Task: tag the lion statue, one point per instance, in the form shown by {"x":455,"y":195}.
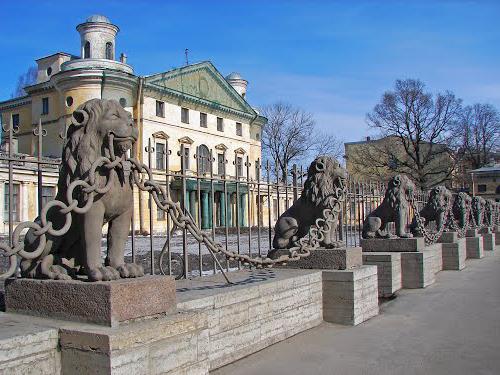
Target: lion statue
{"x":436,"y":208}
{"x":94,"y":124}
{"x":489,"y":212}
{"x":478,"y":207}
{"x":393,"y":208}
{"x":461,"y":208}
{"x":324,"y":176}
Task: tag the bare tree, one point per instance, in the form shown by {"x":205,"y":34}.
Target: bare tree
{"x":419,"y":126}
{"x":24,"y":80}
{"x":479,"y":134}
{"x":290,"y":136}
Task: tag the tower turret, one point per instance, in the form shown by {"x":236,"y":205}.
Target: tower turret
{"x":97,"y":36}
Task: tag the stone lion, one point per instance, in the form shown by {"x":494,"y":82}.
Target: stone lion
{"x":489,"y":212}
{"x":462,"y":208}
{"x":438,"y":203}
{"x":79,"y":250}
{"x":324,"y":176}
{"x":394,"y":208}
{"x":478,"y":207}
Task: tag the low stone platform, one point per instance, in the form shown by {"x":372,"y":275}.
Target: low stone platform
{"x":453,"y":250}
{"x":418,"y":269}
{"x":326,"y":259}
{"x":107,"y":302}
{"x":350,"y":297}
{"x":260,"y":308}
{"x":489,"y":241}
{"x":388,"y":271}
{"x":383,"y":245}
{"x":474,"y":244}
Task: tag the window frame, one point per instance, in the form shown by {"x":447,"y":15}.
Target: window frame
{"x":45,"y":105}
{"x":204,"y":122}
{"x":239,"y":129}
{"x":221,"y":164}
{"x":220,"y":124}
{"x":160,"y":109}
{"x":46,"y":198}
{"x":481,"y":188}
{"x":185,"y":115}
{"x":16,"y":203}
{"x":239,"y":166}
{"x":162,"y":165}
{"x":17,"y":121}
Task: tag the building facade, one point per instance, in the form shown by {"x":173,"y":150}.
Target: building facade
{"x":192,"y":121}
{"x":486,"y":181}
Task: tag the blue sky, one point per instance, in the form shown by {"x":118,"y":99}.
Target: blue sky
{"x":334,"y":59}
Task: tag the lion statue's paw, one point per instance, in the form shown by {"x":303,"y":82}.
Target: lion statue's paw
{"x":103,"y":274}
{"x":130,"y":270}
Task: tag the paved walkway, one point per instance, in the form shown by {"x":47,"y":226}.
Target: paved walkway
{"x":451,"y":327}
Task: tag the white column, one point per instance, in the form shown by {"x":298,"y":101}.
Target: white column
{"x":2,"y":203}
{"x":24,"y":197}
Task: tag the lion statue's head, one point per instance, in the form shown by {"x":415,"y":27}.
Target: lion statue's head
{"x":94,"y":124}
{"x":399,"y":190}
{"x":324,"y":176}
{"x":439,"y":199}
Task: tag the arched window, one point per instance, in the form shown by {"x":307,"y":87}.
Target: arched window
{"x":86,"y":50}
{"x":204,"y":162}
{"x":109,"y":51}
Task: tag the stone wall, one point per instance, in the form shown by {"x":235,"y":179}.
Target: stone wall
{"x":250,"y":318}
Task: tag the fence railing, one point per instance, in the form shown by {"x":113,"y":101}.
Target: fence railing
{"x":239,"y":210}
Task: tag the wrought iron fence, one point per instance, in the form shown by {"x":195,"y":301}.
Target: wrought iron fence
{"x":238,"y":210}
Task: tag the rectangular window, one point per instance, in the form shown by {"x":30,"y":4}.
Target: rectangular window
{"x":481,"y":188}
{"x":45,"y":106}
{"x":221,"y":165}
{"x":220,"y":124}
{"x":185,"y":115}
{"x":15,"y":202}
{"x":239,"y":166}
{"x":48,"y":193}
{"x":160,"y":108}
{"x":15,"y":120}
{"x":239,"y":130}
{"x":160,"y":156}
{"x":160,"y":214}
{"x":203,"y":120}
{"x":257,"y":136}
{"x":185,"y":160}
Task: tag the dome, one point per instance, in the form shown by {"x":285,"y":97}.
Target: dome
{"x":234,"y":75}
{"x":98,"y":18}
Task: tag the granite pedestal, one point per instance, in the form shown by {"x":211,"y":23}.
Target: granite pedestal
{"x":388,"y":271}
{"x":419,"y":263}
{"x":107,"y":302}
{"x":350,"y":297}
{"x":326,"y":259}
{"x":419,"y":268}
{"x":474,"y":244}
{"x":453,"y":250}
{"x":489,"y":240}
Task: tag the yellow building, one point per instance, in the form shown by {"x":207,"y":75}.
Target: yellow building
{"x":486,"y":182}
{"x":186,"y":110}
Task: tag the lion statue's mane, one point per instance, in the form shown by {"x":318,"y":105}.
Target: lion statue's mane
{"x":439,"y":202}
{"x":478,"y":208}
{"x":393,"y":208}
{"x":324,"y":177}
{"x":462,"y":208}
{"x":97,"y":126}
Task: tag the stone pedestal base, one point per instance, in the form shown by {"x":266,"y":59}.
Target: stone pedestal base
{"x":350,"y":297}
{"x":326,"y":259}
{"x":177,"y":344}
{"x":454,"y":251}
{"x":388,"y":271}
{"x":108,"y":303}
{"x":382,"y":245}
{"x":471,"y":233}
{"x":454,"y":255}
{"x":418,"y":269}
{"x":489,"y":241}
{"x":474,"y":247}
